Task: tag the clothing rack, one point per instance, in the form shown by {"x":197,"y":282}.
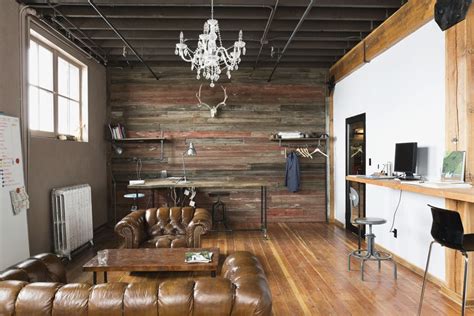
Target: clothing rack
{"x":302,"y":149}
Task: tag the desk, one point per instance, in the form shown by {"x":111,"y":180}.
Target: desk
{"x":460,"y":200}
{"x":156,"y":184}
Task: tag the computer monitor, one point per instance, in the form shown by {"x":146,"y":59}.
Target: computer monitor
{"x":405,"y":158}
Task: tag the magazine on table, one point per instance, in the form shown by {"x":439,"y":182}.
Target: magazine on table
{"x":198,"y":256}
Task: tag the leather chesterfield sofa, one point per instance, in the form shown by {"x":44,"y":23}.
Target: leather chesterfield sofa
{"x":175,"y":227}
{"x":35,"y":288}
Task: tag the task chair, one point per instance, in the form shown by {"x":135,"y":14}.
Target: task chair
{"x":448,"y":231}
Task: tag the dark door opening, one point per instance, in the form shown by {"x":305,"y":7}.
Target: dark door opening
{"x":355,"y":164}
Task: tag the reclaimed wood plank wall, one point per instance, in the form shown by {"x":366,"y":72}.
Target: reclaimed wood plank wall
{"x":235,"y":143}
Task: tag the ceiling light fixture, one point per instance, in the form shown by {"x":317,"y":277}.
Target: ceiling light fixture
{"x":209,"y":60}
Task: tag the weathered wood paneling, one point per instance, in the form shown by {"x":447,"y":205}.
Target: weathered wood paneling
{"x":236,"y":143}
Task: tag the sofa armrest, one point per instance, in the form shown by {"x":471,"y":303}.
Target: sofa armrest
{"x":199,"y":225}
{"x":132,"y":229}
{"x":45,"y":267}
{"x":252,"y":294}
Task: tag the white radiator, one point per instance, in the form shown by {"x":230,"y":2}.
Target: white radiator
{"x":72,"y":218}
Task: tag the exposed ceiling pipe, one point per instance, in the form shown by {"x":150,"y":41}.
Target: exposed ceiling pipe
{"x":57,"y":11}
{"x":123,"y":39}
{"x":300,"y":22}
{"x":264,"y":40}
{"x":104,"y":60}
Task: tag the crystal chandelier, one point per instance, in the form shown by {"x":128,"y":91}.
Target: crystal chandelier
{"x":208,"y":59}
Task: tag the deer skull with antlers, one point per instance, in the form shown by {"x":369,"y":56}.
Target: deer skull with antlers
{"x":214,"y":108}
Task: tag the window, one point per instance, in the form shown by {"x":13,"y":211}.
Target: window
{"x":55,"y":94}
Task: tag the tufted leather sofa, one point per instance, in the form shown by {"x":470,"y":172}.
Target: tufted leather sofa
{"x":242,"y":289}
{"x":164,"y":227}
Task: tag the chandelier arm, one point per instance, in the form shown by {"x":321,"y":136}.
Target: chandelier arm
{"x":228,"y":57}
{"x":190,"y":60}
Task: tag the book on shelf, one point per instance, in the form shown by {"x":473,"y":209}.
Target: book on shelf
{"x":198,"y":256}
{"x":117,"y":131}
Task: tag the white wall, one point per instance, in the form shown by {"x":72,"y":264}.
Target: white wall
{"x":402,"y":93}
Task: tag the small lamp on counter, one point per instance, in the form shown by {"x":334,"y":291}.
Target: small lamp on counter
{"x":190,"y":151}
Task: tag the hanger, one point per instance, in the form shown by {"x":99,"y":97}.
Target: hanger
{"x":319,"y":151}
{"x":359,"y":150}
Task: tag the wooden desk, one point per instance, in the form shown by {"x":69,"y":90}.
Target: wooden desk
{"x":156,"y":184}
{"x":460,"y":200}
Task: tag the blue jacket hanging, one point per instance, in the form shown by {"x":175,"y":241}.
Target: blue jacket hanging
{"x":292,"y":177}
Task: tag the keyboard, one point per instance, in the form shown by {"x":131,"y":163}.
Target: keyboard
{"x":375,"y":177}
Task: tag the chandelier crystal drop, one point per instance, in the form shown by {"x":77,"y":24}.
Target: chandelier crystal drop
{"x":210,"y":60}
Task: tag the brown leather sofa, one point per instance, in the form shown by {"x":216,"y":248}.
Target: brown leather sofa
{"x":164,"y":227}
{"x":34,"y":287}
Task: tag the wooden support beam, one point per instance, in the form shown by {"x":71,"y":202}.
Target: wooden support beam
{"x":460,"y":136}
{"x":402,"y":23}
{"x":460,"y":90}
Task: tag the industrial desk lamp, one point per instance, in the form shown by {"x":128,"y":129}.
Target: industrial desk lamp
{"x":190,"y":151}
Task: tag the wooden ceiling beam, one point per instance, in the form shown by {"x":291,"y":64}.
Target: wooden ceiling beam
{"x":182,"y":64}
{"x":402,"y":23}
{"x":228,"y":25}
{"x":248,"y":36}
{"x":201,"y":13}
{"x":246,"y":3}
{"x":252,"y":45}
{"x":329,"y":59}
{"x":252,"y":52}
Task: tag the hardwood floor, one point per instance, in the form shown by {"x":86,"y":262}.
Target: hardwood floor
{"x":306,"y":265}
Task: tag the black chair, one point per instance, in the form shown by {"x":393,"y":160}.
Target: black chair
{"x":219,"y":207}
{"x":448,"y":231}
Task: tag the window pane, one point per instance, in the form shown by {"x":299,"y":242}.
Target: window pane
{"x":74,"y":82}
{"x":63,"y":114}
{"x":33,"y":108}
{"x":63,"y":77}
{"x":45,"y":62}
{"x":33,"y":63}
{"x":46,"y":114}
{"x":74,"y":118}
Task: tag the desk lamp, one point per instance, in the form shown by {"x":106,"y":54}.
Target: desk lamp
{"x":190,"y":151}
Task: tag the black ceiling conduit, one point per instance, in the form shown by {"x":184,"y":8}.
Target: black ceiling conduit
{"x":300,"y":22}
{"x":55,"y":20}
{"x":123,"y":39}
{"x":264,"y":39}
{"x":57,"y":11}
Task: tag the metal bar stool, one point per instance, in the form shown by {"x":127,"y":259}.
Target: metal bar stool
{"x":219,"y":207}
{"x":371,"y":254}
{"x":448,"y":231}
{"x":135,"y":197}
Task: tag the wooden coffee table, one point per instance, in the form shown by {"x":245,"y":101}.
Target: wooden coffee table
{"x":150,"y":260}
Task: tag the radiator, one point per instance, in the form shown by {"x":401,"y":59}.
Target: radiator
{"x":72,"y":218}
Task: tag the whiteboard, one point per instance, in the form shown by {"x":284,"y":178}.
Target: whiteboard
{"x":14,"y":244}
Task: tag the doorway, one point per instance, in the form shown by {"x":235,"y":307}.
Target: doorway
{"x":355,"y":165}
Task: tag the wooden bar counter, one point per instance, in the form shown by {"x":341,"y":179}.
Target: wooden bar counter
{"x":457,"y":199}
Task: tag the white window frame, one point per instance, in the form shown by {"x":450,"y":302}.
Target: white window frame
{"x":83,"y":111}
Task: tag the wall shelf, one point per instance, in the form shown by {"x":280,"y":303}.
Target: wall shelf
{"x":139,"y":140}
{"x":307,"y":139}
{"x":143,"y":140}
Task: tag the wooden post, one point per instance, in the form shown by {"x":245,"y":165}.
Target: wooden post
{"x":460,"y":136}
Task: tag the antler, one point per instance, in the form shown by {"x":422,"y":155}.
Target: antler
{"x":213,"y":109}
{"x":198,"y":96}
{"x":225,"y":99}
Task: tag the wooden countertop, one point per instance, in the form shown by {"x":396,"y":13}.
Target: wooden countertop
{"x":202,"y":183}
{"x":458,"y":194}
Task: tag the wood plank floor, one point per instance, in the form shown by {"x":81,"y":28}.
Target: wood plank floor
{"x":306,"y":265}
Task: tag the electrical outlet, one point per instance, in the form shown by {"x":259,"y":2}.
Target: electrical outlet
{"x":395,"y":233}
